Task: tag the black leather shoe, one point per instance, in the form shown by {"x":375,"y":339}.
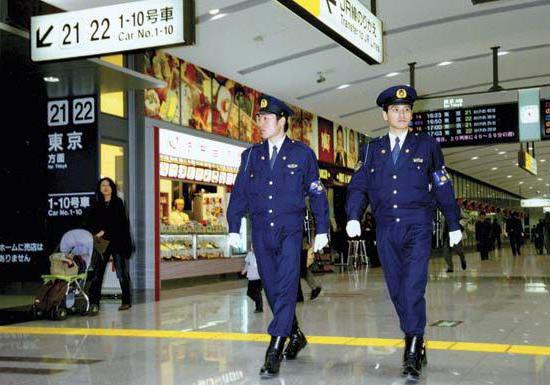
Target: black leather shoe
{"x":273,"y":358}
{"x":259,"y":310}
{"x":449,"y":270}
{"x":315,"y":293}
{"x":297,"y":342}
{"x":414,"y":357}
{"x":463,"y":264}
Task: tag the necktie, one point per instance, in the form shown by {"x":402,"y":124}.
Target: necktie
{"x":273,"y":157}
{"x":395,"y":151}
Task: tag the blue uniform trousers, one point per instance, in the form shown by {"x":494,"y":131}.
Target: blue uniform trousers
{"x":404,"y":251}
{"x":278,"y":257}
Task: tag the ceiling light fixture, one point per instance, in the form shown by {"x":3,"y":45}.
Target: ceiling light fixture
{"x":521,"y":182}
{"x":502,"y":53}
{"x":494,"y":168}
{"x":445,"y":63}
{"x":502,"y":152}
{"x":342,"y":86}
{"x":51,"y":79}
{"x":392,"y":74}
{"x":543,"y":160}
{"x":219,"y":16}
{"x":509,"y":176}
{"x":539,"y":179}
{"x":214,"y":11}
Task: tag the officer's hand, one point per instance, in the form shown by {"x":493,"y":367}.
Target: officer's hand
{"x":455,"y":237}
{"x":235,"y":240}
{"x":321,"y":240}
{"x":353,"y":228}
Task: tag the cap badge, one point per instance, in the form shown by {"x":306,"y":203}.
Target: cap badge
{"x":263,"y":103}
{"x":401,"y":93}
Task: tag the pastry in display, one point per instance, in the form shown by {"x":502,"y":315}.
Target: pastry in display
{"x":152,"y":104}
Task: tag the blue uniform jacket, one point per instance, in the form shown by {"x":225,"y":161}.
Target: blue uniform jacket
{"x":406,"y":192}
{"x":276,"y":198}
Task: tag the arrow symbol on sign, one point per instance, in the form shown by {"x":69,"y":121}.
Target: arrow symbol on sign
{"x":333,"y":2}
{"x":40,"y":40}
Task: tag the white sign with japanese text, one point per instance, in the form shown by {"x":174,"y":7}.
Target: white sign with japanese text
{"x":184,"y":146}
{"x":103,"y":30}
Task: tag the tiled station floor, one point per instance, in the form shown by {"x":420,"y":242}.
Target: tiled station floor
{"x":210,"y":335}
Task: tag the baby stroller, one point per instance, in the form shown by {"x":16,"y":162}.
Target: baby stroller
{"x":64,"y":289}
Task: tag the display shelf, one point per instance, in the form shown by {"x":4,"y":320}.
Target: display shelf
{"x":193,"y":246}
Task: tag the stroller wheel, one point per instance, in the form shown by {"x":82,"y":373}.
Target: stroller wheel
{"x":59,"y":314}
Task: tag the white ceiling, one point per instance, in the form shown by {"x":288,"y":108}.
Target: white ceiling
{"x":422,"y":31}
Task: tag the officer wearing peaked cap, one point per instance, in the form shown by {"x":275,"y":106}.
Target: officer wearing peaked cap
{"x":271,"y":187}
{"x":402,"y":175}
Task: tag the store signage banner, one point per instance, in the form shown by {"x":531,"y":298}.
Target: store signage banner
{"x":529,"y":115}
{"x":535,"y":202}
{"x":326,"y":140}
{"x":73,"y":157}
{"x":110,"y":29}
{"x":348,"y":22}
{"x":185,"y":146}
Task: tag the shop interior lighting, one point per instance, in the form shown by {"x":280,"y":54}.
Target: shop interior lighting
{"x":51,"y":79}
{"x":219,"y":16}
{"x":445,"y":63}
{"x":214,"y":11}
{"x":392,"y":74}
{"x":343,"y":86}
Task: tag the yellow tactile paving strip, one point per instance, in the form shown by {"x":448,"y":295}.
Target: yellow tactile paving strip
{"x":317,"y":340}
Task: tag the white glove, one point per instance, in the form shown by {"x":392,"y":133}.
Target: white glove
{"x":353,"y":228}
{"x":455,"y":237}
{"x":235,"y":240}
{"x":321,"y":240}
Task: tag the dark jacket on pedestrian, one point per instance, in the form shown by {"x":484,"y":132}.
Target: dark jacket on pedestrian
{"x":111,"y":217}
{"x":514,"y":227}
{"x":483,"y":231}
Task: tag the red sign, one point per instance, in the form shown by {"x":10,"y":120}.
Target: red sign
{"x":326,"y":143}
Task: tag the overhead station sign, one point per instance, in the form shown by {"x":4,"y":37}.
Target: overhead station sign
{"x":348,"y":22}
{"x":535,"y":202}
{"x":110,"y":29}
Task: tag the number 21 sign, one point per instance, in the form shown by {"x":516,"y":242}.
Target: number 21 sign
{"x":82,"y":112}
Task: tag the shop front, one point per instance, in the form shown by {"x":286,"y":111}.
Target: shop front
{"x":195,"y":176}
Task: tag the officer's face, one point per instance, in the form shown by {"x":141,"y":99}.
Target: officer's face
{"x":398,"y":116}
{"x":269,"y":125}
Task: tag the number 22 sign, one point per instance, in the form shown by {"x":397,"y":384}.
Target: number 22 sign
{"x":83,"y":112}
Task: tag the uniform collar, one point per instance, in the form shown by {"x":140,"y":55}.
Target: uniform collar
{"x":402,"y":138}
{"x":279,"y":143}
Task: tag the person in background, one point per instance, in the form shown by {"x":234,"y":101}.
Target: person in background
{"x":539,"y":237}
{"x":254,"y":282}
{"x":496,"y":231}
{"x":177,"y":216}
{"x":515,"y":233}
{"x":483,"y":236}
{"x":108,"y":221}
{"x":456,"y":249}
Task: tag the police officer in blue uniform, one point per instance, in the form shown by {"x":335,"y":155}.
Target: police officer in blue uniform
{"x":402,"y":175}
{"x":273,"y":182}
